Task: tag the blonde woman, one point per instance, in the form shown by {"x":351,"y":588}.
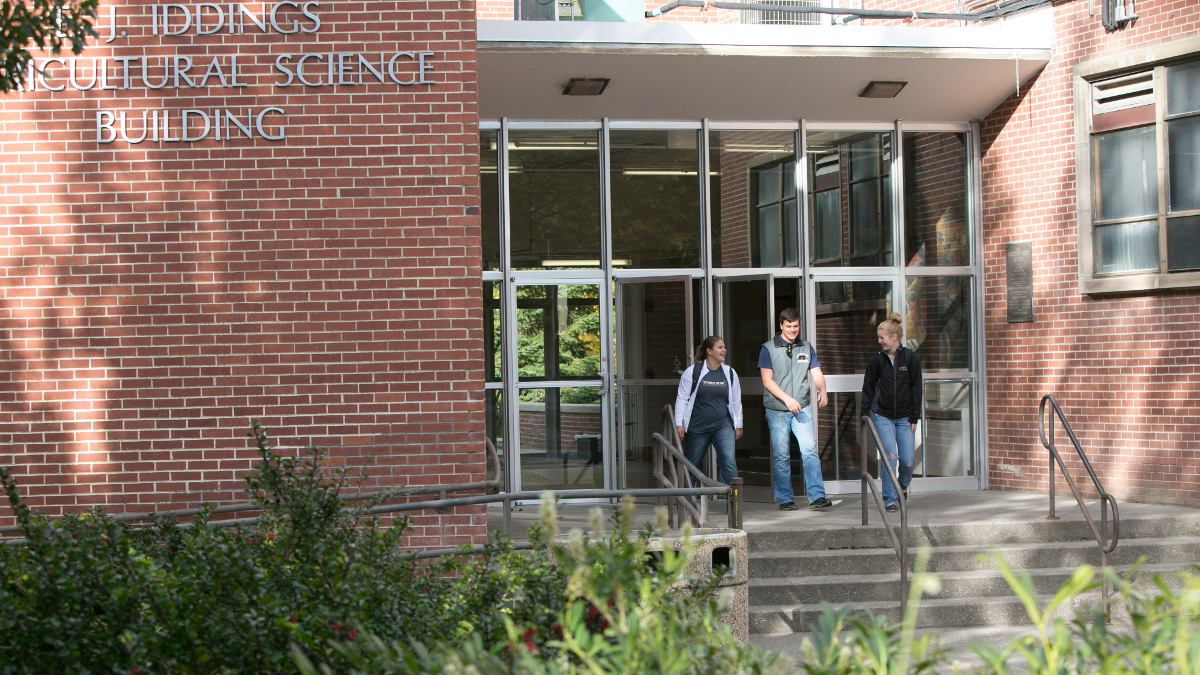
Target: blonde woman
{"x":891,"y":395}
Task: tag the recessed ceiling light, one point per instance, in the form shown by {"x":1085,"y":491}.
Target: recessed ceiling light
{"x":585,"y":86}
{"x":881,"y":89}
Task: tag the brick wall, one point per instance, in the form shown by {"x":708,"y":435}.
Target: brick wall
{"x":156,"y":296}
{"x":1125,"y":368}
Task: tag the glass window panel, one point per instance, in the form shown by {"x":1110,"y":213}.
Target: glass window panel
{"x":734,"y":157}
{"x":827,"y":226}
{"x":491,"y":331}
{"x":938,"y":323}
{"x":560,"y":438}
{"x":489,"y":196}
{"x":845,"y":331}
{"x":494,"y":425}
{"x":947,"y":442}
{"x":935,"y":199}
{"x":1183,"y":88}
{"x":769,"y":237}
{"x":865,"y":219}
{"x":1129,"y":247}
{"x":838,"y":439}
{"x":641,"y":415}
{"x":653,"y":321}
{"x":791,"y":234}
{"x":655,"y":198}
{"x":744,"y":322}
{"x":1128,"y":183}
{"x":789,"y":180}
{"x":865,"y":156}
{"x":558,"y":332}
{"x":1183,"y":243}
{"x":1183,"y":147}
{"x":554,"y":199}
{"x":769,"y":185}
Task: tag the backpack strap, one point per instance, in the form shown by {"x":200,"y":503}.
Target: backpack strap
{"x":695,"y":377}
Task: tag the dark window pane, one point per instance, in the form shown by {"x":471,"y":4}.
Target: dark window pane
{"x":747,"y":170}
{"x":769,"y":237}
{"x":827,"y":224}
{"x":769,"y":184}
{"x":491,"y":331}
{"x":935,"y":199}
{"x":1128,"y":247}
{"x":489,"y":195}
{"x":864,"y":218}
{"x":1183,"y":147}
{"x":656,"y":198}
{"x":1128,"y":184}
{"x":1183,"y":88}
{"x":1183,"y":243}
{"x":791,"y":234}
{"x":554,"y":199}
{"x":864,"y":159}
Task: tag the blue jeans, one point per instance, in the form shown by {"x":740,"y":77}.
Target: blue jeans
{"x":695,"y":447}
{"x":895,"y":434}
{"x":783,"y":424}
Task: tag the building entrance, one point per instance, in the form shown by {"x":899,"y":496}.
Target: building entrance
{"x":612,"y":248}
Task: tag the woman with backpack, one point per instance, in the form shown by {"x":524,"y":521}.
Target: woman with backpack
{"x":891,"y":395}
{"x":708,"y":407}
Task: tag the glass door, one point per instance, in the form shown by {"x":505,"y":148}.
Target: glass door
{"x":844,"y":313}
{"x":560,"y":393}
{"x":656,"y":333}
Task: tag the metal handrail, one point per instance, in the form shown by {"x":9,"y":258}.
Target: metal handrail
{"x":668,"y":473}
{"x":442,"y":490}
{"x":900,"y":544}
{"x":1101,"y":532}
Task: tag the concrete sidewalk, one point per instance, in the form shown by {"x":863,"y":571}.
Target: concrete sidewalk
{"x":933,"y":508}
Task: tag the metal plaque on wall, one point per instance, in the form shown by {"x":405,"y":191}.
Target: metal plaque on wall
{"x":1019,"y":279}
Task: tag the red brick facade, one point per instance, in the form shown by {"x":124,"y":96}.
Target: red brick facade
{"x":157,"y":296}
{"x":1126,"y":369}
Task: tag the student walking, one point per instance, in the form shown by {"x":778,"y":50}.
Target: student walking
{"x":891,"y":395}
{"x":708,"y":408}
{"x":787,"y":364}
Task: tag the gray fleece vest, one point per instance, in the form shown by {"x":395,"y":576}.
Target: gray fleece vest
{"x":791,"y":374}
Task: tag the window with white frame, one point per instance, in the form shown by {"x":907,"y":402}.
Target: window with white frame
{"x":1142,"y":200}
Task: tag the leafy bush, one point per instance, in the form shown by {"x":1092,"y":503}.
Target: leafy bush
{"x":314,"y":581}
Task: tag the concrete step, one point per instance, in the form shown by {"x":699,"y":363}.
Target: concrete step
{"x":811,"y":563}
{"x":956,"y":642}
{"x":993,"y":533}
{"x":934,"y":612}
{"x":865,"y":588}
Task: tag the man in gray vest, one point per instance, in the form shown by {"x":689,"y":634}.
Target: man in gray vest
{"x":787,"y":365}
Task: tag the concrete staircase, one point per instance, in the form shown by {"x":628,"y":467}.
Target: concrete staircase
{"x":793,"y":572}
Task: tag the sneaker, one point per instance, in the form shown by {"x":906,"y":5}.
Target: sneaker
{"x":790,"y":506}
{"x":821,"y":503}
{"x":892,"y":508}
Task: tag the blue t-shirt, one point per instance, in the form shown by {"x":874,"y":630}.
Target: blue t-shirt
{"x":711,"y":409}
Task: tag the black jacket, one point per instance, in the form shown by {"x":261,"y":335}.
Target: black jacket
{"x":894,"y":392}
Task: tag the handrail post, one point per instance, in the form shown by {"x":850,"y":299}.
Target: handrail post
{"x":866,"y":476}
{"x":1051,"y":515}
{"x":735,"y":504}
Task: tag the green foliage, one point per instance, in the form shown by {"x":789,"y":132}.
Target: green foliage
{"x":1157,"y":638}
{"x":625,"y":611}
{"x":48,"y":25}
{"x":846,"y":641}
{"x":317,"y":586}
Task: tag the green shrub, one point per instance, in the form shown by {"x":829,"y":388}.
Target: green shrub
{"x":314,"y":581}
{"x":625,"y":611}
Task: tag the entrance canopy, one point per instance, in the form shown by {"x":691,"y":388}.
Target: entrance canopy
{"x":756,"y":72}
